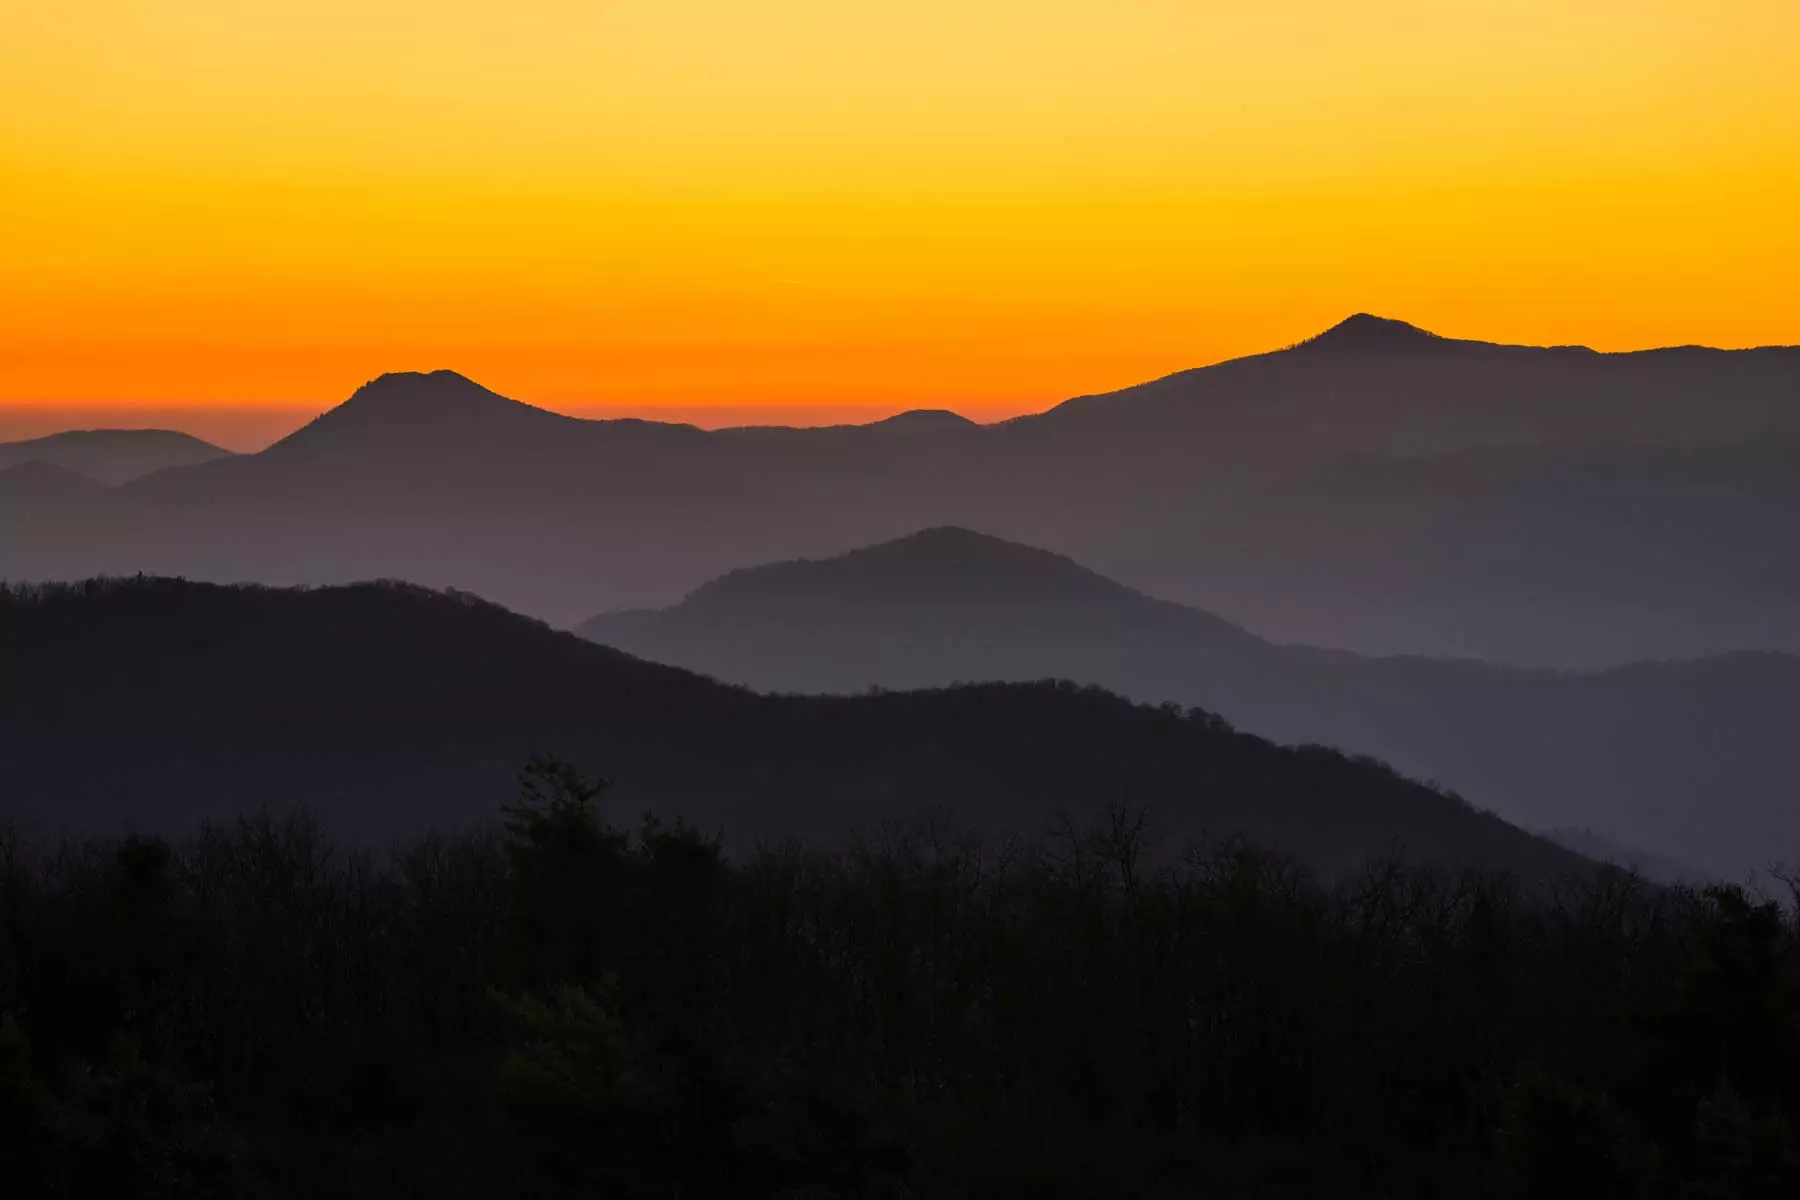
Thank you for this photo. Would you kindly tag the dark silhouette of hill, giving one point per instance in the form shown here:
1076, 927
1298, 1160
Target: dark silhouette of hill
1212, 487
947, 571
389, 709
939, 606
111, 456
1691, 760
1372, 385
1369, 334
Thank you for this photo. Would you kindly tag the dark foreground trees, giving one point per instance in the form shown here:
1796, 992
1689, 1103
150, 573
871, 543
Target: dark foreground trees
563, 1007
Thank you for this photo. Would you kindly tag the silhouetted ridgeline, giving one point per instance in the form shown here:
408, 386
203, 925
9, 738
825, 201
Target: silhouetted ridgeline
569, 1009
388, 709
1692, 760
1623, 506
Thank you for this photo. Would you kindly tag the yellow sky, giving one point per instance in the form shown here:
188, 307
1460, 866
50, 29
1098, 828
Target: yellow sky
986, 204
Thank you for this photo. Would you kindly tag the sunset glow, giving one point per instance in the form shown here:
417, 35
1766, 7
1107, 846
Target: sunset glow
674, 205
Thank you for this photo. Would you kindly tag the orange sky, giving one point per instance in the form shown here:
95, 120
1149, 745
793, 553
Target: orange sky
814, 205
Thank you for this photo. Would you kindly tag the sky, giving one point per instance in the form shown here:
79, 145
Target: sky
814, 209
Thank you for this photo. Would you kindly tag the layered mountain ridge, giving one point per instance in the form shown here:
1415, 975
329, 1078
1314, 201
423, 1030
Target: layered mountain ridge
1216, 487
1688, 760
390, 709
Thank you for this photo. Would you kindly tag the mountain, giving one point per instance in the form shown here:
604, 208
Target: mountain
389, 708
931, 608
111, 456
1373, 385
984, 578
1690, 760
1217, 487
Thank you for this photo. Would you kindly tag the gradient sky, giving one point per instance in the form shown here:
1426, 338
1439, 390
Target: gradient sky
981, 204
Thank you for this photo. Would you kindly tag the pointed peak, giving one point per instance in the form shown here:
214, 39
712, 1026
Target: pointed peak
440, 408
1367, 332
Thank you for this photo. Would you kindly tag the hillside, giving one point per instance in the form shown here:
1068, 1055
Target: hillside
1689, 760
389, 709
1223, 488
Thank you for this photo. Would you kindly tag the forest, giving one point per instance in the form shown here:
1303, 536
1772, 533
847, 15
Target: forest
578, 1001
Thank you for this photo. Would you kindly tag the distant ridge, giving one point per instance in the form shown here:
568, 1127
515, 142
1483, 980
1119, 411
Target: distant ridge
112, 456
916, 422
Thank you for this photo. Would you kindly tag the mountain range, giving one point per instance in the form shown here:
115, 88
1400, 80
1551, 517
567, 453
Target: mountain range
387, 709
1375, 488
1687, 761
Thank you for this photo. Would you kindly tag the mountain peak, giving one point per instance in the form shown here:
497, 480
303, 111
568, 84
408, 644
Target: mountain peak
955, 545
920, 572
437, 389
1367, 332
933, 576
924, 420
433, 406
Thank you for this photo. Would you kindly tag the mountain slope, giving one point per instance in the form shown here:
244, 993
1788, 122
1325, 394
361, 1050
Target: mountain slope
1691, 760
111, 456
389, 708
